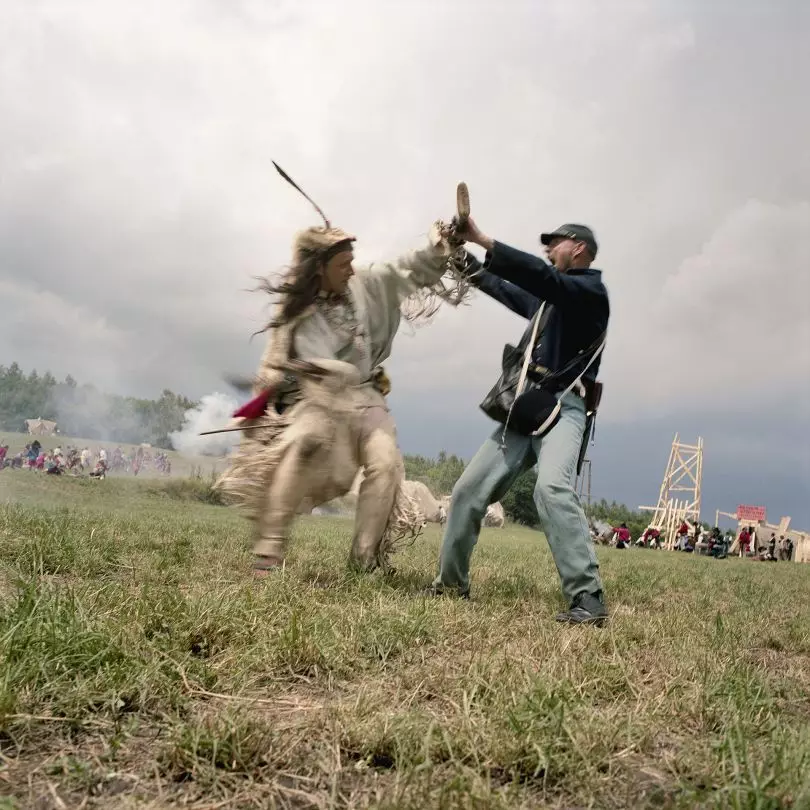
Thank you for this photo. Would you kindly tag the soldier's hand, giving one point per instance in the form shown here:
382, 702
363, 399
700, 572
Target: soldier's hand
470, 232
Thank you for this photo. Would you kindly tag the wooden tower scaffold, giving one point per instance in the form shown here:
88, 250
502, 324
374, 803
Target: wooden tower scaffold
679, 498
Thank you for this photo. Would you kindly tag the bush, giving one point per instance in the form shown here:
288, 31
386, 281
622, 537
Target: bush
191, 489
617, 513
518, 503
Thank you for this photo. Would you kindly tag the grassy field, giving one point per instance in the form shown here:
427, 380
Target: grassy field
141, 667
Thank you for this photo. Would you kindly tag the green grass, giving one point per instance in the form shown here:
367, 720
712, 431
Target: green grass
141, 667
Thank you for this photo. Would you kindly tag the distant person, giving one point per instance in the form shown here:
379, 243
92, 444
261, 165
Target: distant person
138, 461
622, 536
683, 531
744, 541
718, 545
650, 537
772, 547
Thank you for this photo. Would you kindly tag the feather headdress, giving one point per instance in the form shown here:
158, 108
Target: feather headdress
326, 240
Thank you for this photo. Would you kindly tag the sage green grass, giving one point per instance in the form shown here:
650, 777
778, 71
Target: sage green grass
141, 667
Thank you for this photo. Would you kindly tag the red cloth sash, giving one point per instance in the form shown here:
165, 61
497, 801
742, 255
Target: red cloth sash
255, 408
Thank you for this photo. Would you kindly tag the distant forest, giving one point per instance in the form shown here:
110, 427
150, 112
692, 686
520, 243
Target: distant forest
441, 474
84, 411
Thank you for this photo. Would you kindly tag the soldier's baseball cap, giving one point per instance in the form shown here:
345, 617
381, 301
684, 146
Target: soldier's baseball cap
582, 233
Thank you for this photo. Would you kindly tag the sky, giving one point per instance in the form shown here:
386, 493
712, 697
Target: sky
138, 201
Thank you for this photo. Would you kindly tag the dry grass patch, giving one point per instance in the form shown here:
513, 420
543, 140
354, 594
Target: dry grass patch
141, 667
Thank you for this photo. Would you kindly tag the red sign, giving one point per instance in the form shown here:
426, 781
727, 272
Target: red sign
752, 513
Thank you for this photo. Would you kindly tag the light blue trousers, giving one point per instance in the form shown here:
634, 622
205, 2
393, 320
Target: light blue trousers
487, 478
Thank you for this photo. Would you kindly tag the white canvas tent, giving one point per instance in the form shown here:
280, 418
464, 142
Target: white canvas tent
801, 547
40, 427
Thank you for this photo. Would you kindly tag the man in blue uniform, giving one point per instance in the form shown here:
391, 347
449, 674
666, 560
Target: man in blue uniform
571, 330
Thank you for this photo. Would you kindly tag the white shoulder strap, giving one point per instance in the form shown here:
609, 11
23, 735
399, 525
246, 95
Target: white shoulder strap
527, 357
590, 362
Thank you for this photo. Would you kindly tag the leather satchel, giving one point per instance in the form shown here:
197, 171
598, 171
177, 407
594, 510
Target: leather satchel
529, 409
497, 404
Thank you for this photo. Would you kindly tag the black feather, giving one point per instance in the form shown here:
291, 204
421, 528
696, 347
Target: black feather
301, 191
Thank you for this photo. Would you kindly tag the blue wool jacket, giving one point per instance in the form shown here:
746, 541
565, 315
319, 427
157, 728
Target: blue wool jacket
578, 300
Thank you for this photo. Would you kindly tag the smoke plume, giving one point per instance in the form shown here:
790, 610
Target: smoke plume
85, 412
213, 412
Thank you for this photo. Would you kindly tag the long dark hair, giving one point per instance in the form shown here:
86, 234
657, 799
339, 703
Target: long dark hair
302, 282
298, 288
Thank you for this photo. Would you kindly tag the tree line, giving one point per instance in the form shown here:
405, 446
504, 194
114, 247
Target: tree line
85, 411
441, 474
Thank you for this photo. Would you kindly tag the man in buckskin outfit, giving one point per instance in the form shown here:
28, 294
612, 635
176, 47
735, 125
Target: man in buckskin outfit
324, 429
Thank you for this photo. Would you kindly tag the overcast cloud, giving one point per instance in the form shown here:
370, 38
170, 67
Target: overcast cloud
138, 200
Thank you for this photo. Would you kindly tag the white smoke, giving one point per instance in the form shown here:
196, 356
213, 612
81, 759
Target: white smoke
212, 413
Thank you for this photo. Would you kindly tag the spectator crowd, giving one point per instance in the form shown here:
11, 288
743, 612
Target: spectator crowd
75, 461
